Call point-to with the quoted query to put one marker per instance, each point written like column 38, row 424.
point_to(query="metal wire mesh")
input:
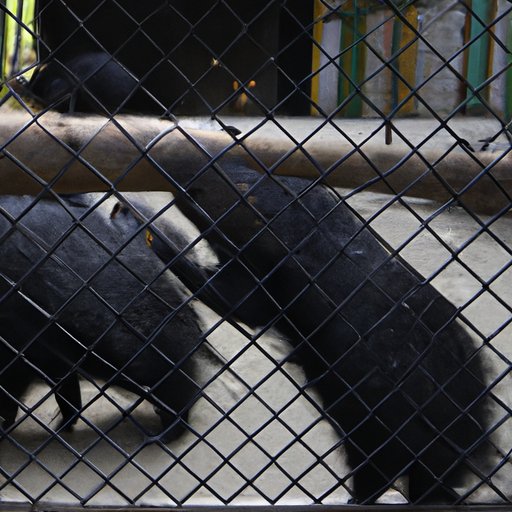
column 255, row 252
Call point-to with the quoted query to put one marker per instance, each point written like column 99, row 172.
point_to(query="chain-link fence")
column 255, row 252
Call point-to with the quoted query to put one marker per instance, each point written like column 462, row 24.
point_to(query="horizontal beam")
column 77, row 153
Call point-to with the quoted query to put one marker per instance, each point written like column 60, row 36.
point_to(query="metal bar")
column 478, row 52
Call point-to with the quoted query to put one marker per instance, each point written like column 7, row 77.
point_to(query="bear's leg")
column 368, row 481
column 426, row 488
column 69, row 400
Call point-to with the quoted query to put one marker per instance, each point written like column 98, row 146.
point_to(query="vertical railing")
column 18, row 39
column 405, row 51
column 340, row 64
column 353, row 52
column 338, row 57
column 479, row 55
column 2, row 46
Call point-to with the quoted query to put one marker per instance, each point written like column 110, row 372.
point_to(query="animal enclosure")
column 255, row 253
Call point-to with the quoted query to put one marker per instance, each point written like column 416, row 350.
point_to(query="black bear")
column 23, row 330
column 395, row 367
column 91, row 81
column 128, row 321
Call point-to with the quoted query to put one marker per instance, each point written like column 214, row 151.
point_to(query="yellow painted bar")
column 407, row 60
column 318, row 13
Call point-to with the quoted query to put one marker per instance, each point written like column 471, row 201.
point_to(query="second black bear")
column 129, row 322
column 395, row 367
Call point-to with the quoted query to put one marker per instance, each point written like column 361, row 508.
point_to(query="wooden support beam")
column 88, row 153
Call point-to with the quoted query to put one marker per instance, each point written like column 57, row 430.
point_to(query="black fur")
column 394, row 366
column 133, row 327
column 89, row 82
column 24, row 326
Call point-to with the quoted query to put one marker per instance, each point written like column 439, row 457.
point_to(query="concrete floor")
column 407, row 132
column 256, row 447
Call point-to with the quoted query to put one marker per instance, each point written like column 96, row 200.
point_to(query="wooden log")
column 77, row 153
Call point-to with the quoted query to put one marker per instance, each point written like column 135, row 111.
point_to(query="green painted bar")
column 352, row 61
column 478, row 54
